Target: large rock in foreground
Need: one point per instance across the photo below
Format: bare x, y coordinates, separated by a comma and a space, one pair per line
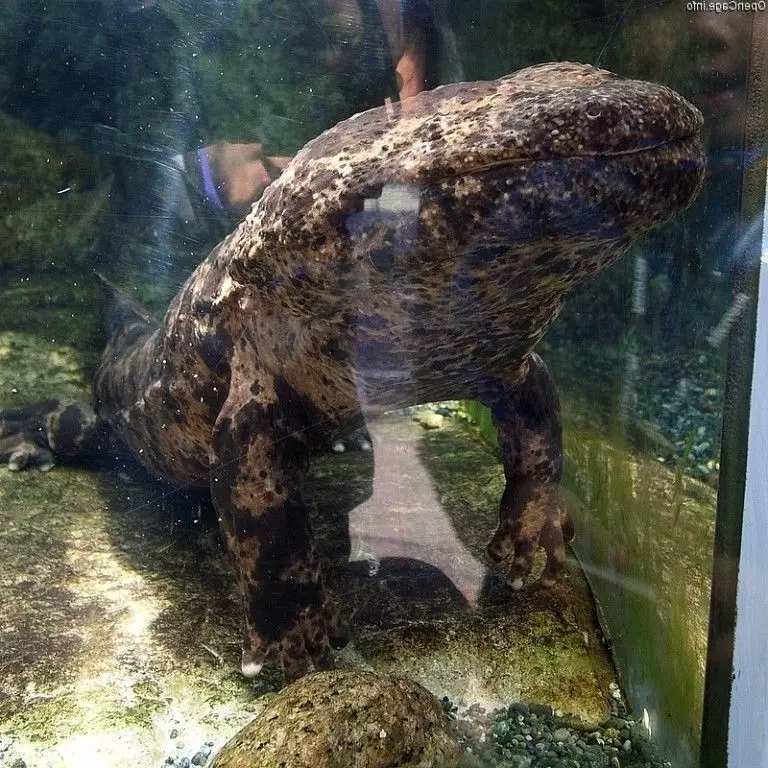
345, 718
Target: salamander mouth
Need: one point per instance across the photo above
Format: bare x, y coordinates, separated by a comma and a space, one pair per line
634, 188
686, 149
688, 144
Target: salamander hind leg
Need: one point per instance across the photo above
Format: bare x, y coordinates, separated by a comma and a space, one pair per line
532, 512
259, 458
36, 435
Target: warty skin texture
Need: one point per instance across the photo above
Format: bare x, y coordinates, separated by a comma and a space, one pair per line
406, 255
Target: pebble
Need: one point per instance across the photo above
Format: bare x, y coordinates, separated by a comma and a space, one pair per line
684, 405
526, 736
532, 736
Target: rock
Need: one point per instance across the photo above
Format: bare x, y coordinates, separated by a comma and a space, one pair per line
352, 718
430, 420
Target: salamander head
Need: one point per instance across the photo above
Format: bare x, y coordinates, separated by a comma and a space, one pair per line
475, 200
475, 130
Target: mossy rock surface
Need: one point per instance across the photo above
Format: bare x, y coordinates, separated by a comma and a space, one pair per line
345, 719
51, 201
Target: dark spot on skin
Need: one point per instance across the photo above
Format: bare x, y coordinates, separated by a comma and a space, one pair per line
293, 452
72, 428
382, 261
213, 398
323, 180
215, 350
203, 307
231, 437
281, 549
333, 350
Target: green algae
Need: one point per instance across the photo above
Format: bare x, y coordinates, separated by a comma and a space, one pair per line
143, 624
50, 339
644, 536
32, 368
646, 541
51, 202
84, 649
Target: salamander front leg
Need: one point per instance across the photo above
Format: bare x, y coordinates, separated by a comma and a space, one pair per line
255, 483
532, 513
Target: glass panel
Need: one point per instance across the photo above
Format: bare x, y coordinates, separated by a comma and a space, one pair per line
386, 291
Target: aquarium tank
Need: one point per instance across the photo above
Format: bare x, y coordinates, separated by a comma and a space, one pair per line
381, 383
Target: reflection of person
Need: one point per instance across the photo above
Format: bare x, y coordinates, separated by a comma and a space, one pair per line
722, 57
713, 66
230, 176
267, 76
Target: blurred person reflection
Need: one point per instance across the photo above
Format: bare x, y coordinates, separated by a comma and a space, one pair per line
95, 71
405, 42
722, 58
121, 77
691, 263
722, 43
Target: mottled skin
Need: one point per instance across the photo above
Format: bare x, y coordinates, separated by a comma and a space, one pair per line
318, 311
